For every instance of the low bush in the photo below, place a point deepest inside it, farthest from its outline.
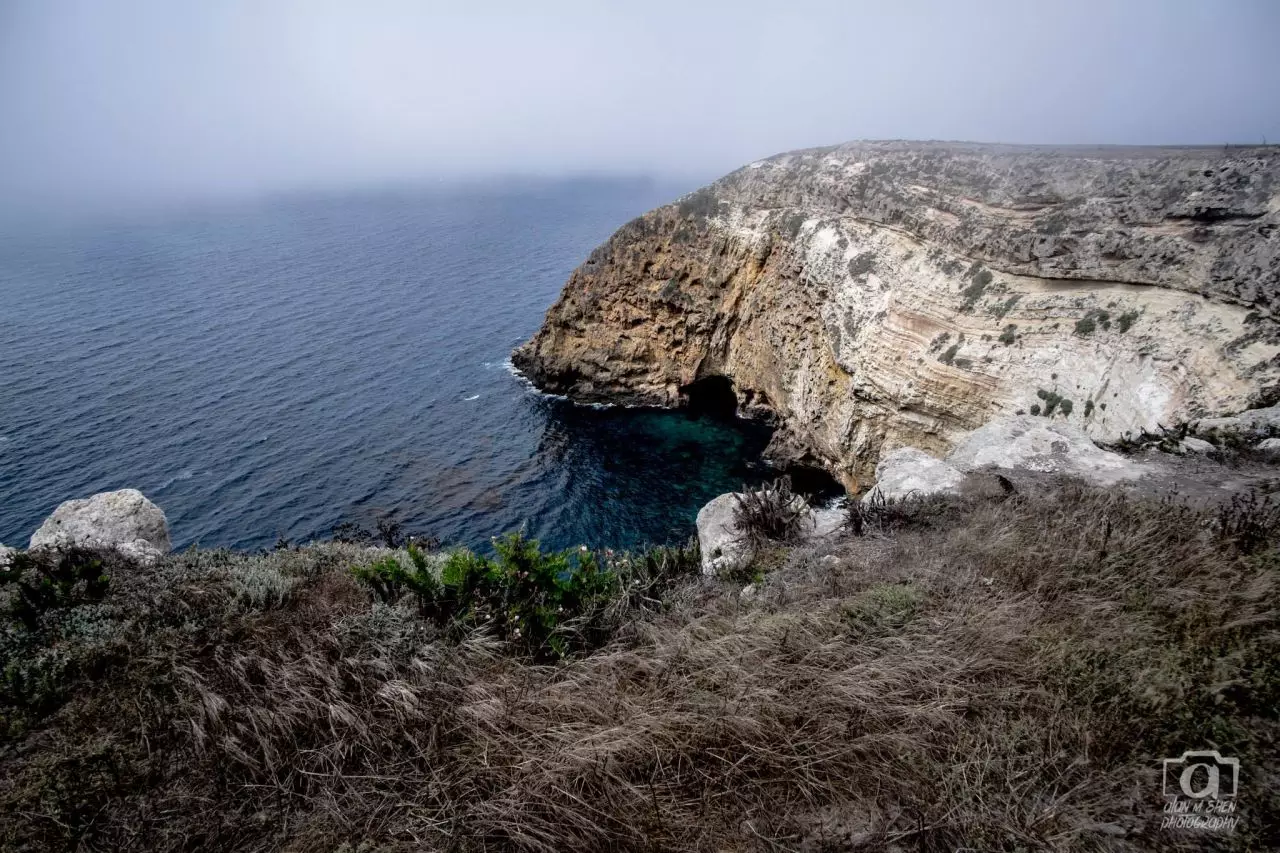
(772, 513)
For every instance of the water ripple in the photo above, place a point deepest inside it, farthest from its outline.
(280, 368)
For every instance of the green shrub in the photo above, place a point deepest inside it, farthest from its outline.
(41, 580)
(546, 604)
(1053, 401)
(1126, 320)
(1009, 335)
(884, 605)
(1089, 323)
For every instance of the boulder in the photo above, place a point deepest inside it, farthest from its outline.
(1269, 445)
(908, 472)
(124, 520)
(6, 555)
(1038, 444)
(825, 520)
(724, 547)
(1250, 425)
(1197, 445)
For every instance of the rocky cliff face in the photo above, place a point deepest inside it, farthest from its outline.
(878, 295)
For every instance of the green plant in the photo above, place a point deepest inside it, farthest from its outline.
(976, 287)
(884, 605)
(42, 580)
(1052, 401)
(950, 355)
(1090, 322)
(1009, 335)
(1126, 320)
(547, 604)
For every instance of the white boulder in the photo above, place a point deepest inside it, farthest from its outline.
(124, 520)
(6, 555)
(1269, 445)
(908, 472)
(1037, 444)
(723, 545)
(1249, 425)
(1197, 445)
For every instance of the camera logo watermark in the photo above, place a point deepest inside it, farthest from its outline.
(1200, 790)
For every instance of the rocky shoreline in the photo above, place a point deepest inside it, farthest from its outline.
(874, 296)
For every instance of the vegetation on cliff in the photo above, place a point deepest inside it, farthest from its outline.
(1002, 671)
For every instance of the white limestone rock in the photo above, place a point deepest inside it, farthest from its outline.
(724, 547)
(1250, 425)
(910, 472)
(1191, 444)
(6, 556)
(1039, 444)
(124, 520)
(1269, 445)
(867, 299)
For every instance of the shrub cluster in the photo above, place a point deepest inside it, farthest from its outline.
(547, 604)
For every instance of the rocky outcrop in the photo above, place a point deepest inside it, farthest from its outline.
(1242, 428)
(124, 520)
(725, 546)
(909, 473)
(880, 295)
(1028, 443)
(6, 556)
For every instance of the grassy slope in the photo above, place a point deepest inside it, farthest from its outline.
(998, 673)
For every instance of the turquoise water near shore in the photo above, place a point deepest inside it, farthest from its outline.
(272, 369)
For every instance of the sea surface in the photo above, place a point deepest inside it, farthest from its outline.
(271, 369)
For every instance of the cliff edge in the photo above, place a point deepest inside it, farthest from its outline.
(877, 295)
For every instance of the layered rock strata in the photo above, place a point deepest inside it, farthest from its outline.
(873, 296)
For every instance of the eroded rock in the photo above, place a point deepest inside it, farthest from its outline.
(894, 294)
(1247, 426)
(1191, 444)
(124, 520)
(910, 472)
(1038, 444)
(723, 545)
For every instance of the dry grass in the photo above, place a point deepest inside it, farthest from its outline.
(1004, 676)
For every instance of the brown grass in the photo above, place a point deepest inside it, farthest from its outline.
(1005, 676)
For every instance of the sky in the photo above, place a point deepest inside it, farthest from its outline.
(139, 99)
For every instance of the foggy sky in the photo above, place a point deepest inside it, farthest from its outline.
(165, 99)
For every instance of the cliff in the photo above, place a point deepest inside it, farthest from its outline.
(877, 295)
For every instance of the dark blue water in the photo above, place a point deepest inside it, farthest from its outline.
(274, 369)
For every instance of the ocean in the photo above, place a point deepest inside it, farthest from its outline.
(269, 370)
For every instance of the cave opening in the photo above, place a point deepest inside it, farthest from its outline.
(814, 483)
(711, 396)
